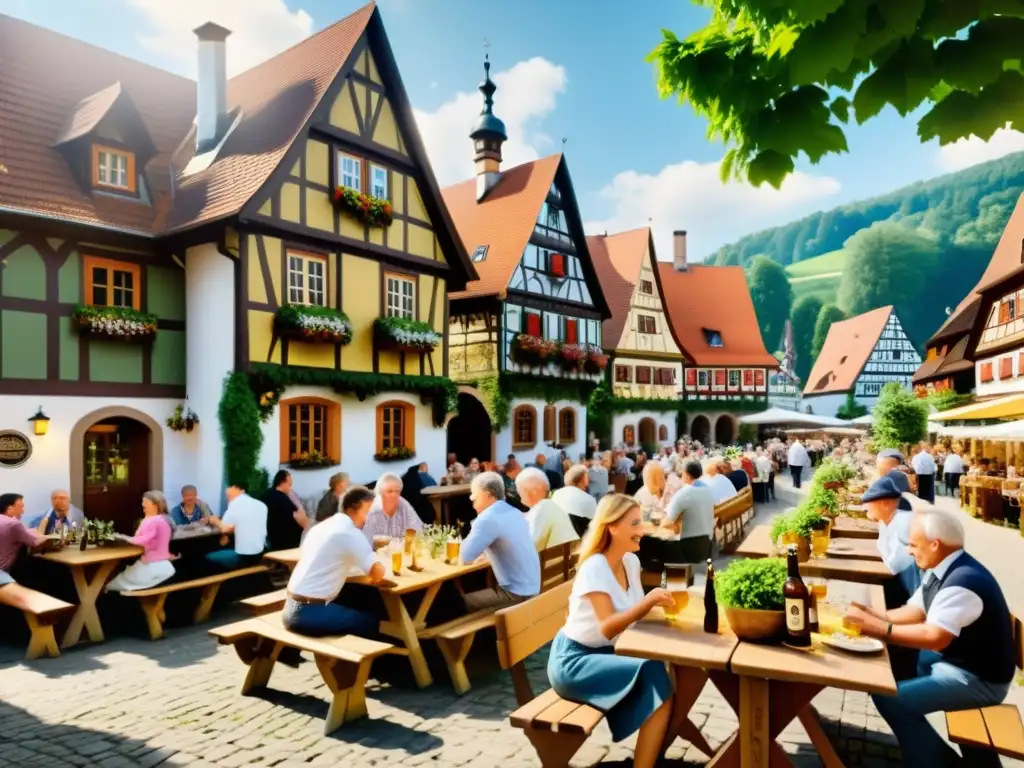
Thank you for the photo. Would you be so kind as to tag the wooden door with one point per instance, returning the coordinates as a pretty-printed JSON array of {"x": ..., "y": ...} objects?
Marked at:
[{"x": 116, "y": 472}]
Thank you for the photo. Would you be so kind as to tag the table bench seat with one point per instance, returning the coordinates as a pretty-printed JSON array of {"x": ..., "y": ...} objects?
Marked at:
[
  {"x": 730, "y": 516},
  {"x": 41, "y": 611},
  {"x": 343, "y": 662},
  {"x": 455, "y": 639},
  {"x": 265, "y": 603},
  {"x": 997, "y": 728},
  {"x": 152, "y": 600}
]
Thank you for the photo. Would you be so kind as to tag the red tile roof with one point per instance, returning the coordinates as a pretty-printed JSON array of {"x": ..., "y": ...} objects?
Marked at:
[
  {"x": 847, "y": 348},
  {"x": 618, "y": 259},
  {"x": 715, "y": 299}
]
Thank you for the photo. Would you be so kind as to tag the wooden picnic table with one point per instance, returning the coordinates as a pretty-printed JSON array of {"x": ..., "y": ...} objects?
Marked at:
[
  {"x": 767, "y": 685},
  {"x": 440, "y": 495},
  {"x": 845, "y": 567},
  {"x": 759, "y": 544},
  {"x": 847, "y": 527},
  {"x": 400, "y": 624},
  {"x": 101, "y": 561}
]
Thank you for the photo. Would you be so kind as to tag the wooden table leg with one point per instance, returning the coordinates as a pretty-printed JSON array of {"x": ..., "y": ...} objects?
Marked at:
[
  {"x": 689, "y": 684},
  {"x": 811, "y": 721},
  {"x": 754, "y": 737},
  {"x": 402, "y": 627},
  {"x": 88, "y": 592}
]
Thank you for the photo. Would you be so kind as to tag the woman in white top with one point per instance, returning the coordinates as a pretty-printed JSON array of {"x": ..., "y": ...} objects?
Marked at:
[{"x": 606, "y": 599}]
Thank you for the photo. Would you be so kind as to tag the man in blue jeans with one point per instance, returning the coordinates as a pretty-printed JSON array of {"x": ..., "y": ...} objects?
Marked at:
[
  {"x": 333, "y": 549},
  {"x": 960, "y": 622}
]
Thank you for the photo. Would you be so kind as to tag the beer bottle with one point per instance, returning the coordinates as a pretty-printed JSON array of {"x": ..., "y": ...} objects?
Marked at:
[
  {"x": 796, "y": 594},
  {"x": 85, "y": 538},
  {"x": 710, "y": 602}
]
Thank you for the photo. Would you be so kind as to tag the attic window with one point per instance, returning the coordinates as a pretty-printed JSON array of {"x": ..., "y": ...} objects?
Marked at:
[
  {"x": 113, "y": 168},
  {"x": 479, "y": 254},
  {"x": 647, "y": 287},
  {"x": 713, "y": 338}
]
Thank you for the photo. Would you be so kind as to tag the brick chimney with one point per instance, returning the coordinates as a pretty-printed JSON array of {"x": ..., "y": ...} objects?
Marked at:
[
  {"x": 212, "y": 85},
  {"x": 679, "y": 250}
]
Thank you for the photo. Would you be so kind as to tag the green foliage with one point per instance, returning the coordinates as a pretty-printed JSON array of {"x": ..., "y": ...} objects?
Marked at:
[
  {"x": 851, "y": 409},
  {"x": 754, "y": 584},
  {"x": 823, "y": 500},
  {"x": 900, "y": 417},
  {"x": 747, "y": 434},
  {"x": 499, "y": 408},
  {"x": 800, "y": 521},
  {"x": 831, "y": 471},
  {"x": 407, "y": 332},
  {"x": 948, "y": 398},
  {"x": 779, "y": 80},
  {"x": 240, "y": 430},
  {"x": 499, "y": 391},
  {"x": 803, "y": 318},
  {"x": 314, "y": 323},
  {"x": 122, "y": 323},
  {"x": 772, "y": 297},
  {"x": 829, "y": 314}
]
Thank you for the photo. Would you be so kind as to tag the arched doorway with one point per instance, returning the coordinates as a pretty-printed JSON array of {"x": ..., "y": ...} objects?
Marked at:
[
  {"x": 681, "y": 426},
  {"x": 700, "y": 429},
  {"x": 116, "y": 456},
  {"x": 725, "y": 431},
  {"x": 648, "y": 431},
  {"x": 469, "y": 433}
]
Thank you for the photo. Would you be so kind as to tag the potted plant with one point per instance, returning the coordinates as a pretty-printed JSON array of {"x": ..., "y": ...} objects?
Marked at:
[
  {"x": 833, "y": 475},
  {"x": 183, "y": 419},
  {"x": 751, "y": 593},
  {"x": 405, "y": 335},
  {"x": 825, "y": 501},
  {"x": 795, "y": 528},
  {"x": 313, "y": 324},
  {"x": 116, "y": 323}
]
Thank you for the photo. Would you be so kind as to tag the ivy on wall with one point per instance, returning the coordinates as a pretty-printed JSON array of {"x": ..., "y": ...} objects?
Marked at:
[
  {"x": 240, "y": 432},
  {"x": 499, "y": 391}
]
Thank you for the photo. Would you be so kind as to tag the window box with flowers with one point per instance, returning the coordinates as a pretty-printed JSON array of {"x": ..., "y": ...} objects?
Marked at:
[
  {"x": 184, "y": 419},
  {"x": 367, "y": 209},
  {"x": 117, "y": 323},
  {"x": 532, "y": 350},
  {"x": 311, "y": 460},
  {"x": 404, "y": 335},
  {"x": 572, "y": 357},
  {"x": 395, "y": 454},
  {"x": 313, "y": 324},
  {"x": 596, "y": 360}
]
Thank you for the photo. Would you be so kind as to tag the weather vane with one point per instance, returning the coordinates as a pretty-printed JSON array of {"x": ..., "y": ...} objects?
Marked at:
[{"x": 564, "y": 139}]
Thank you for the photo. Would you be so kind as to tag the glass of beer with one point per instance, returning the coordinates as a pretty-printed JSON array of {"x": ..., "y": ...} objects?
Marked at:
[
  {"x": 680, "y": 599},
  {"x": 397, "y": 556},
  {"x": 818, "y": 587},
  {"x": 820, "y": 539},
  {"x": 410, "y": 539},
  {"x": 850, "y": 629},
  {"x": 452, "y": 548}
]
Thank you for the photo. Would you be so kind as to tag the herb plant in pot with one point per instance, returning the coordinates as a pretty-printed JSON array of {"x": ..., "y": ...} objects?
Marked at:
[
  {"x": 795, "y": 528},
  {"x": 833, "y": 475},
  {"x": 751, "y": 593}
]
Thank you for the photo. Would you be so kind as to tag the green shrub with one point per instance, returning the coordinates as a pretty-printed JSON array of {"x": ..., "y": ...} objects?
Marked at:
[
  {"x": 823, "y": 498},
  {"x": 800, "y": 521},
  {"x": 754, "y": 584},
  {"x": 240, "y": 431},
  {"x": 830, "y": 471},
  {"x": 900, "y": 417}
]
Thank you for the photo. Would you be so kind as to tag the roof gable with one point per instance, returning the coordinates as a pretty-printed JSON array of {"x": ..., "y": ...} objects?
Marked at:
[{"x": 847, "y": 348}]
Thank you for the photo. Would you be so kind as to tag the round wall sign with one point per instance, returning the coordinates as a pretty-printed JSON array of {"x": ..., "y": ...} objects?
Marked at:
[{"x": 15, "y": 448}]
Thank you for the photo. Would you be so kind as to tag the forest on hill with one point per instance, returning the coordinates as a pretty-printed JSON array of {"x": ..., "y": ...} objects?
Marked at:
[{"x": 920, "y": 248}]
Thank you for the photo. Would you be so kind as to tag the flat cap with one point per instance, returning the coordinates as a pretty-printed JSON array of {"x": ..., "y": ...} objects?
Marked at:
[{"x": 882, "y": 488}]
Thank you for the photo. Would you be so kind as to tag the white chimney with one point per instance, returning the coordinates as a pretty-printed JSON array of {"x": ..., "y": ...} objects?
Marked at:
[
  {"x": 679, "y": 250},
  {"x": 211, "y": 90}
]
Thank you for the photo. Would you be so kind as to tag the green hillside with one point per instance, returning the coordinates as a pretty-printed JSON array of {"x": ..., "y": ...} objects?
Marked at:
[{"x": 817, "y": 277}]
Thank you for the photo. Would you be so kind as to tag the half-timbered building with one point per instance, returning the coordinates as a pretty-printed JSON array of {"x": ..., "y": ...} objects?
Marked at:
[
  {"x": 860, "y": 355},
  {"x": 525, "y": 339},
  {"x": 159, "y": 235}
]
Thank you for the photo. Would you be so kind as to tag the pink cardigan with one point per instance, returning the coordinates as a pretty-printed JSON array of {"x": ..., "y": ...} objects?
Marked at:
[{"x": 154, "y": 535}]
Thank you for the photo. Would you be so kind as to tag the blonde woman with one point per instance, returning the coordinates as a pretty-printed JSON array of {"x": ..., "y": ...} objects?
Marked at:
[
  {"x": 154, "y": 536},
  {"x": 606, "y": 599}
]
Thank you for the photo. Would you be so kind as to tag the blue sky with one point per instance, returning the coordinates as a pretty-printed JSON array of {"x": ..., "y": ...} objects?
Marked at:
[{"x": 572, "y": 69}]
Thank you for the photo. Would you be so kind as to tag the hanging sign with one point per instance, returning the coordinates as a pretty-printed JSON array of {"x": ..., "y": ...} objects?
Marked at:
[{"x": 15, "y": 448}]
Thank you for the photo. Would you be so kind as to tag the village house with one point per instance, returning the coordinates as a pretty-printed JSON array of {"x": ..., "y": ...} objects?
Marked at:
[
  {"x": 860, "y": 356},
  {"x": 525, "y": 339},
  {"x": 281, "y": 229},
  {"x": 646, "y": 359},
  {"x": 727, "y": 366}
]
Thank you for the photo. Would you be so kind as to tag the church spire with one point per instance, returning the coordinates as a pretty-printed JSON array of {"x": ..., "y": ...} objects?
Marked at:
[{"x": 488, "y": 135}]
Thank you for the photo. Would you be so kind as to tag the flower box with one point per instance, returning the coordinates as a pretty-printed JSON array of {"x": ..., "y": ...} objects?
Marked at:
[
  {"x": 314, "y": 325},
  {"x": 404, "y": 335},
  {"x": 394, "y": 454},
  {"x": 571, "y": 357},
  {"x": 117, "y": 323},
  {"x": 532, "y": 350},
  {"x": 367, "y": 209},
  {"x": 596, "y": 360},
  {"x": 311, "y": 460}
]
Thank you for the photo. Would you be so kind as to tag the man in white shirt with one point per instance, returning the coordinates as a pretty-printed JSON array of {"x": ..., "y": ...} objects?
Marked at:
[
  {"x": 960, "y": 622},
  {"x": 953, "y": 470},
  {"x": 797, "y": 460},
  {"x": 550, "y": 525},
  {"x": 501, "y": 531},
  {"x": 924, "y": 467},
  {"x": 574, "y": 499},
  {"x": 246, "y": 518},
  {"x": 333, "y": 550}
]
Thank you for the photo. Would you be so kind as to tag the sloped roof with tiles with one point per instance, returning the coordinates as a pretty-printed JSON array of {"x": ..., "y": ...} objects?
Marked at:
[
  {"x": 705, "y": 298},
  {"x": 847, "y": 348}
]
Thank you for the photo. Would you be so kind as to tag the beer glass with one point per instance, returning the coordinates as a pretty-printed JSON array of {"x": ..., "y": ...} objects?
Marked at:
[
  {"x": 820, "y": 539},
  {"x": 680, "y": 599},
  {"x": 397, "y": 556},
  {"x": 452, "y": 548}
]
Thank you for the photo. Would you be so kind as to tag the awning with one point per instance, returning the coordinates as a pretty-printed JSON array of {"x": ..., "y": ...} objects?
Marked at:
[
  {"x": 839, "y": 431},
  {"x": 1006, "y": 407},
  {"x": 782, "y": 416},
  {"x": 1008, "y": 430},
  {"x": 865, "y": 420}
]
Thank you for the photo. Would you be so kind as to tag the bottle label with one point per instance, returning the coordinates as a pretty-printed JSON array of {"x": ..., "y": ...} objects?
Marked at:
[
  {"x": 812, "y": 612},
  {"x": 795, "y": 619}
]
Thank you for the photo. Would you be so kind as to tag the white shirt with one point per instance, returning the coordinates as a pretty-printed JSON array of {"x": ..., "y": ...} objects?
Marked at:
[
  {"x": 953, "y": 607},
  {"x": 764, "y": 467},
  {"x": 892, "y": 542},
  {"x": 694, "y": 507},
  {"x": 332, "y": 551},
  {"x": 575, "y": 501},
  {"x": 798, "y": 456},
  {"x": 595, "y": 575},
  {"x": 249, "y": 516},
  {"x": 923, "y": 463},
  {"x": 550, "y": 525},
  {"x": 721, "y": 487},
  {"x": 954, "y": 464}
]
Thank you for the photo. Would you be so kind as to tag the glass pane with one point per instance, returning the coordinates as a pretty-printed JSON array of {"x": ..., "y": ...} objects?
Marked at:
[{"x": 99, "y": 295}]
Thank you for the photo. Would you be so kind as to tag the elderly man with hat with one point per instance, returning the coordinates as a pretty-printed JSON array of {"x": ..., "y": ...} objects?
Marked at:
[{"x": 888, "y": 460}]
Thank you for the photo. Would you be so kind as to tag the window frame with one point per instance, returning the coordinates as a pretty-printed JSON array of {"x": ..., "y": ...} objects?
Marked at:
[
  {"x": 526, "y": 410},
  {"x": 711, "y": 335},
  {"x": 627, "y": 374},
  {"x": 111, "y": 265},
  {"x": 339, "y": 173},
  {"x": 402, "y": 278},
  {"x": 372, "y": 167},
  {"x": 628, "y": 434},
  {"x": 306, "y": 257},
  {"x": 408, "y": 424},
  {"x": 331, "y": 441},
  {"x": 130, "y": 177},
  {"x": 647, "y": 287},
  {"x": 735, "y": 372},
  {"x": 566, "y": 436},
  {"x": 646, "y": 324},
  {"x": 648, "y": 373}
]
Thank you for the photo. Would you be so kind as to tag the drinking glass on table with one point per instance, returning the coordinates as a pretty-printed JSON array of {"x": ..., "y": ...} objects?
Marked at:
[
  {"x": 452, "y": 548},
  {"x": 397, "y": 555},
  {"x": 820, "y": 538}
]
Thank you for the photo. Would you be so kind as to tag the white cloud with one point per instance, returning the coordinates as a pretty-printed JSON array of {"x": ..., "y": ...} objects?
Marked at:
[
  {"x": 691, "y": 196},
  {"x": 972, "y": 150},
  {"x": 259, "y": 29},
  {"x": 526, "y": 94}
]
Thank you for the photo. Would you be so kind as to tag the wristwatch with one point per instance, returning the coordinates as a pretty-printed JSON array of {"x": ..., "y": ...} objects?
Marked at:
[{"x": 888, "y": 631}]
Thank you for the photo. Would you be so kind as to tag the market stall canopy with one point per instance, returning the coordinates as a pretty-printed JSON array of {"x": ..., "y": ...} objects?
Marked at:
[
  {"x": 835, "y": 431},
  {"x": 783, "y": 417},
  {"x": 1008, "y": 430},
  {"x": 866, "y": 420},
  {"x": 1006, "y": 407}
]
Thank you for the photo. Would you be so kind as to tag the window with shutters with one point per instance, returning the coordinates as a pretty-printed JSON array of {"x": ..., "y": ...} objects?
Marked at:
[
  {"x": 571, "y": 333},
  {"x": 1005, "y": 368},
  {"x": 549, "y": 423},
  {"x": 567, "y": 426},
  {"x": 532, "y": 324},
  {"x": 691, "y": 377},
  {"x": 524, "y": 427},
  {"x": 720, "y": 378},
  {"x": 623, "y": 374},
  {"x": 985, "y": 372},
  {"x": 643, "y": 374},
  {"x": 759, "y": 378},
  {"x": 748, "y": 378}
]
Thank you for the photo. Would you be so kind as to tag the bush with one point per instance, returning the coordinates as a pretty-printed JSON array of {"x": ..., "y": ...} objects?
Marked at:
[
  {"x": 754, "y": 584},
  {"x": 240, "y": 431},
  {"x": 800, "y": 521},
  {"x": 851, "y": 409},
  {"x": 747, "y": 434},
  {"x": 831, "y": 471},
  {"x": 900, "y": 417}
]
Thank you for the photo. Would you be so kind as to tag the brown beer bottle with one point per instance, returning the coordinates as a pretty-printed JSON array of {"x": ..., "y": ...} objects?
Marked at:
[
  {"x": 796, "y": 594},
  {"x": 710, "y": 602}
]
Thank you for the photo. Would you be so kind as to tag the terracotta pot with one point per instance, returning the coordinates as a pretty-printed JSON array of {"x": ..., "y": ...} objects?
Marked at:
[
  {"x": 756, "y": 626},
  {"x": 835, "y": 486},
  {"x": 803, "y": 546}
]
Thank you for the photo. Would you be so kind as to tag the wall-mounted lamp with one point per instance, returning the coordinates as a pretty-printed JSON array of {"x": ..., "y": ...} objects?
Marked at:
[{"x": 41, "y": 422}]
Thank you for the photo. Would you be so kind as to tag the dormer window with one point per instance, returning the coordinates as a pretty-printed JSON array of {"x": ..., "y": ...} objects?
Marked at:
[
  {"x": 113, "y": 168},
  {"x": 713, "y": 338}
]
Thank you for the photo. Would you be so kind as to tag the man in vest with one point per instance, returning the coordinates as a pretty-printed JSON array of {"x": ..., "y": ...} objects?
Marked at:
[{"x": 959, "y": 621}]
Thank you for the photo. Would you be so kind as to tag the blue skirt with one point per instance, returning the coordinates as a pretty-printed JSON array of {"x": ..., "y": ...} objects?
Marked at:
[{"x": 627, "y": 690}]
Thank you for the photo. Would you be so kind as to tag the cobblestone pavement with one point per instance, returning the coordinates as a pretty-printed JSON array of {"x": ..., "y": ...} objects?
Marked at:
[{"x": 131, "y": 702}]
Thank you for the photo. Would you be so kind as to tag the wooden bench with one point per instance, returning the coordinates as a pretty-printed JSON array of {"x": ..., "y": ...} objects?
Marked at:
[
  {"x": 41, "y": 612},
  {"x": 343, "y": 662},
  {"x": 729, "y": 517},
  {"x": 152, "y": 600},
  {"x": 556, "y": 727},
  {"x": 997, "y": 728},
  {"x": 558, "y": 564},
  {"x": 269, "y": 602}
]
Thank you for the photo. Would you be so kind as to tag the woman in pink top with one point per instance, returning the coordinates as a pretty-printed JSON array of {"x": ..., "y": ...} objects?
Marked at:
[{"x": 153, "y": 535}]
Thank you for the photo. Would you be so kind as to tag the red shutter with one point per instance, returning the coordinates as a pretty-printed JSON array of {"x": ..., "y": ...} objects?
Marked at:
[
  {"x": 691, "y": 377},
  {"x": 759, "y": 378},
  {"x": 1004, "y": 312},
  {"x": 570, "y": 331},
  {"x": 986, "y": 372},
  {"x": 533, "y": 324},
  {"x": 557, "y": 264},
  {"x": 1006, "y": 368},
  {"x": 748, "y": 378},
  {"x": 720, "y": 378}
]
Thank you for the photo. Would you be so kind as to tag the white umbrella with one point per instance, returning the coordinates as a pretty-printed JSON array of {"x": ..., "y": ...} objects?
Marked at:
[
  {"x": 783, "y": 417},
  {"x": 866, "y": 420}
]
